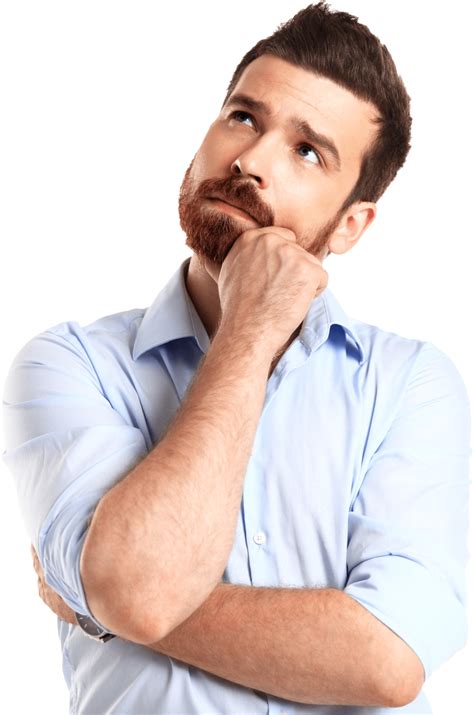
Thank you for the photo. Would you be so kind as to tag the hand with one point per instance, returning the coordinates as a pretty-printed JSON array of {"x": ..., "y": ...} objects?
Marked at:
[
  {"x": 50, "y": 597},
  {"x": 266, "y": 283}
]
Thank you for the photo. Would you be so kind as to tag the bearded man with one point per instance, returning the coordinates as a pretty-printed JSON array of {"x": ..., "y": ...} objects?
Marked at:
[{"x": 241, "y": 500}]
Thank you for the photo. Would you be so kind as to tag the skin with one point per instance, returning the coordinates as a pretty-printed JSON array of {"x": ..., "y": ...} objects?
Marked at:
[
  {"x": 292, "y": 196},
  {"x": 286, "y": 182}
]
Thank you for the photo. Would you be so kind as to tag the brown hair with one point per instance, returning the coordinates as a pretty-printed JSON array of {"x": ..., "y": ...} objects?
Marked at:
[{"x": 335, "y": 45}]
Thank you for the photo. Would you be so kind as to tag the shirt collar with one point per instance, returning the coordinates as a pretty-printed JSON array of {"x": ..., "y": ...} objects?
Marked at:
[
  {"x": 323, "y": 312},
  {"x": 172, "y": 315}
]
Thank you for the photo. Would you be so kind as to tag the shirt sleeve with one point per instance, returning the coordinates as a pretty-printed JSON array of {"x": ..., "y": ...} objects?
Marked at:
[
  {"x": 66, "y": 447},
  {"x": 408, "y": 529}
]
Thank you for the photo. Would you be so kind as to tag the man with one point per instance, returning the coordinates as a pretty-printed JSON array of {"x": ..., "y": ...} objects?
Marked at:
[{"x": 256, "y": 503}]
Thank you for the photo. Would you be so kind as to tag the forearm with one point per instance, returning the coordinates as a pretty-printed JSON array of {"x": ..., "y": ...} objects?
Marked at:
[
  {"x": 304, "y": 645},
  {"x": 160, "y": 539}
]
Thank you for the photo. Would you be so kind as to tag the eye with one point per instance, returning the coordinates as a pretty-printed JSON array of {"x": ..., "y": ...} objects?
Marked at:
[
  {"x": 308, "y": 147},
  {"x": 240, "y": 116}
]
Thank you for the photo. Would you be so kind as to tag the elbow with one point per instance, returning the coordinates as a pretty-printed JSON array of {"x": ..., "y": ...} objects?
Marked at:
[
  {"x": 401, "y": 694},
  {"x": 118, "y": 604},
  {"x": 403, "y": 684},
  {"x": 125, "y": 617},
  {"x": 122, "y": 612}
]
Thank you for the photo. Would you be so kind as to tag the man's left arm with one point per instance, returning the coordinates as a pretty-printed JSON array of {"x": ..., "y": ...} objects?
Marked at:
[
  {"x": 305, "y": 645},
  {"x": 402, "y": 612}
]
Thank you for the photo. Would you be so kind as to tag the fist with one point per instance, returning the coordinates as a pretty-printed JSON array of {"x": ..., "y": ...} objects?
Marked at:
[{"x": 266, "y": 283}]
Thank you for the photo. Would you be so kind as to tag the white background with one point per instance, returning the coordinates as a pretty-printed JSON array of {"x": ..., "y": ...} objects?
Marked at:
[{"x": 103, "y": 105}]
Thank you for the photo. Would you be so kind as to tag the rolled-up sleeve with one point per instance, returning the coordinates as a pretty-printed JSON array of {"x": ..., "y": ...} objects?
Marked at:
[
  {"x": 66, "y": 447},
  {"x": 408, "y": 528}
]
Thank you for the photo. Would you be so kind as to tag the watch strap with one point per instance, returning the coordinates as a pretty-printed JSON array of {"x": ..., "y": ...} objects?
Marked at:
[{"x": 91, "y": 629}]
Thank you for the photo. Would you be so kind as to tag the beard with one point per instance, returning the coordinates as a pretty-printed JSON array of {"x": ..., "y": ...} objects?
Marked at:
[{"x": 211, "y": 233}]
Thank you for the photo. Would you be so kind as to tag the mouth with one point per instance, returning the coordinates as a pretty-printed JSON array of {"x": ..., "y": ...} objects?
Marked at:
[{"x": 231, "y": 209}]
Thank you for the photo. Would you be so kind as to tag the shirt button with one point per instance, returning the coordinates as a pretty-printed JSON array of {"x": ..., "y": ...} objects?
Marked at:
[{"x": 259, "y": 537}]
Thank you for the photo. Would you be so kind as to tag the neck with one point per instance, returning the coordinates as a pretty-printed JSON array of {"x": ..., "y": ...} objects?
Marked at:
[{"x": 204, "y": 294}]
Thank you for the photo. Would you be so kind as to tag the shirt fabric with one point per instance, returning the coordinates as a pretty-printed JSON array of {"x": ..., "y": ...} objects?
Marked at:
[{"x": 357, "y": 480}]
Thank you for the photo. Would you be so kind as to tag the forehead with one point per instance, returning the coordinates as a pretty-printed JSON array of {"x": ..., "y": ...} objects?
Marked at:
[{"x": 328, "y": 108}]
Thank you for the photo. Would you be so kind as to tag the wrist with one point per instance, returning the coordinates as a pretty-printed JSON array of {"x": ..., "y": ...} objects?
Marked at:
[{"x": 245, "y": 341}]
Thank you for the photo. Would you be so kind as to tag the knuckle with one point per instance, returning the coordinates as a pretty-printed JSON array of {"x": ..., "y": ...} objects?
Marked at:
[
  {"x": 289, "y": 248},
  {"x": 267, "y": 235},
  {"x": 245, "y": 240}
]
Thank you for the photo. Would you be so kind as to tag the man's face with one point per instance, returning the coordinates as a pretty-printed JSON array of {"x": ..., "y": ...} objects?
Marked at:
[{"x": 262, "y": 158}]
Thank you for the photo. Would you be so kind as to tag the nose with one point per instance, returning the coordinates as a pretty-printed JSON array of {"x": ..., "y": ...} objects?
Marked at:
[{"x": 252, "y": 163}]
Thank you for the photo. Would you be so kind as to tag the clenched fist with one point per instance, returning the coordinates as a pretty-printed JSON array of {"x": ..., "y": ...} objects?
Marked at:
[{"x": 266, "y": 283}]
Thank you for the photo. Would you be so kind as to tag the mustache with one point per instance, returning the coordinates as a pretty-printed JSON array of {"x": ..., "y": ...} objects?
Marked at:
[{"x": 241, "y": 192}]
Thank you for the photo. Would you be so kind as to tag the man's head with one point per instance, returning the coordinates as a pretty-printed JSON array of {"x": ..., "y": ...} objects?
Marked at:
[{"x": 314, "y": 127}]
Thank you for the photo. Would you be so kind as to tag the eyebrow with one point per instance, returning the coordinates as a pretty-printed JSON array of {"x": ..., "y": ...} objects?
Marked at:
[{"x": 299, "y": 125}]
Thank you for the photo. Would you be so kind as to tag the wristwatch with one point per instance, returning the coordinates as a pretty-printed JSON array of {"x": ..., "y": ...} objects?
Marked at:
[{"x": 92, "y": 630}]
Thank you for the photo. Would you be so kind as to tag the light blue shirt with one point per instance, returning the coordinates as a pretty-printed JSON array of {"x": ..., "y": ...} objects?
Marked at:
[{"x": 358, "y": 480}]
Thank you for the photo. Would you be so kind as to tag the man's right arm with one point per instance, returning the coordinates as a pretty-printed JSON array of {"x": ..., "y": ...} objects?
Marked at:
[{"x": 159, "y": 540}]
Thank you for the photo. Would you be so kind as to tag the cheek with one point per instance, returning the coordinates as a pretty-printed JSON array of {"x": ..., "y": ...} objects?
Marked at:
[
  {"x": 214, "y": 154},
  {"x": 199, "y": 164},
  {"x": 295, "y": 208},
  {"x": 320, "y": 200},
  {"x": 304, "y": 212}
]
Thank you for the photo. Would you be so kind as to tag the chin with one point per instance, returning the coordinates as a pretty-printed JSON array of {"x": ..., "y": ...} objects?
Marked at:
[{"x": 213, "y": 240}]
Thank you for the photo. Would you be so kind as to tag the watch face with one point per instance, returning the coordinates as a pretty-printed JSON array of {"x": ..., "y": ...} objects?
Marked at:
[{"x": 92, "y": 629}]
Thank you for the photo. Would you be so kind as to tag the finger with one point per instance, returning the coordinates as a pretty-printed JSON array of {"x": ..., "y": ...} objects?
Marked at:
[
  {"x": 281, "y": 231},
  {"x": 324, "y": 278},
  {"x": 284, "y": 232},
  {"x": 35, "y": 562},
  {"x": 37, "y": 566},
  {"x": 315, "y": 259}
]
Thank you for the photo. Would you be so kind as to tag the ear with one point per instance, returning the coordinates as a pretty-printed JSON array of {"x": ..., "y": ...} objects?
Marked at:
[{"x": 352, "y": 225}]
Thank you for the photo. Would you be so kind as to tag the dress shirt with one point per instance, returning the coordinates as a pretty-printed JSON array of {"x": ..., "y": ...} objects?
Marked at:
[{"x": 357, "y": 480}]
